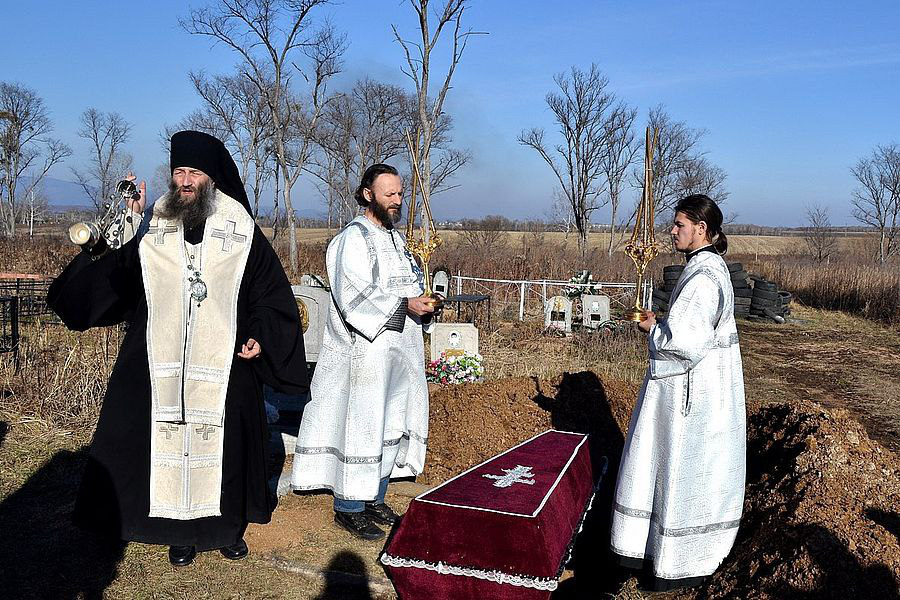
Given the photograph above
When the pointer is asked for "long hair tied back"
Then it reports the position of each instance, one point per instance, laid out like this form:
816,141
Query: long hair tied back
368,179
700,207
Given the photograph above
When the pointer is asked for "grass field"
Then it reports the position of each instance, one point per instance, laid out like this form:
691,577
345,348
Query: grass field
761,245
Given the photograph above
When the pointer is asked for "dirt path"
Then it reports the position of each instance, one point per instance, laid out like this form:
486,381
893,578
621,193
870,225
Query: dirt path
834,359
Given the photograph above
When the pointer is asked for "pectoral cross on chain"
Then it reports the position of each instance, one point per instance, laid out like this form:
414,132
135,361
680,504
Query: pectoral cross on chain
227,235
160,232
518,475
205,431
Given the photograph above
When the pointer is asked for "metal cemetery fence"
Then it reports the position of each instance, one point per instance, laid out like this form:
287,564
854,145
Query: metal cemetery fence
508,293
9,327
22,298
31,293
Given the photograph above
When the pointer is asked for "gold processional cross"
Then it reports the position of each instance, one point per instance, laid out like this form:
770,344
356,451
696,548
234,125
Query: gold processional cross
423,247
642,248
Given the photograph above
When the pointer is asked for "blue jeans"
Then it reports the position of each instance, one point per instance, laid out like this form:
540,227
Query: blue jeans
352,506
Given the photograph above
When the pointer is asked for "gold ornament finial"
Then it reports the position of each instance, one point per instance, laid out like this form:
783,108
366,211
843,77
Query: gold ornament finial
642,248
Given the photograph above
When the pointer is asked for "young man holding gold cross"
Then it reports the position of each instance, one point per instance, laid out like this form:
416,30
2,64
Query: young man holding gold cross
179,455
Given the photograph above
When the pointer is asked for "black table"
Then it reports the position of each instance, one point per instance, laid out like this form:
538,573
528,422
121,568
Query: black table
473,300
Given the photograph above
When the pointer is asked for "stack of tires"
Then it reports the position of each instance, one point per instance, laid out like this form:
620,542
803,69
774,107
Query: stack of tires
661,295
769,303
740,282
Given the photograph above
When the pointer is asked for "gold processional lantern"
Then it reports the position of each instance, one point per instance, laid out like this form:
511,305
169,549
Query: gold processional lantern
423,247
642,247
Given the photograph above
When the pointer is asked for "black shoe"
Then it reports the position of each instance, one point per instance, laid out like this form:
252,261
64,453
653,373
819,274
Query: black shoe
359,524
235,551
381,513
182,556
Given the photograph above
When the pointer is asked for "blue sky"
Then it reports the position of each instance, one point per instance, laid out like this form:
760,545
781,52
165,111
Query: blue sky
791,93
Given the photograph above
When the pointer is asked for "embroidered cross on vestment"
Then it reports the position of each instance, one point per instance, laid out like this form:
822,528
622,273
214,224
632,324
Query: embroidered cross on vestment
205,431
168,430
160,232
227,235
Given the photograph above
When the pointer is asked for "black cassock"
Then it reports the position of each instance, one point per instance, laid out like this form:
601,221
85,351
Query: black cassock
114,498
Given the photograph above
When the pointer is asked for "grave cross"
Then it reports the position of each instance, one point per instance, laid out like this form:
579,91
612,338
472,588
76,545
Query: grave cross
518,475
160,232
227,235
168,430
205,431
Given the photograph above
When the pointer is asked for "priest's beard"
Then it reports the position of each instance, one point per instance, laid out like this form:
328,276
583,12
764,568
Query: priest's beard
383,215
190,211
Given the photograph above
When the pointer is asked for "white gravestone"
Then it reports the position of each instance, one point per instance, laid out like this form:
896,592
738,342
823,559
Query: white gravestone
453,338
594,310
558,314
313,303
440,283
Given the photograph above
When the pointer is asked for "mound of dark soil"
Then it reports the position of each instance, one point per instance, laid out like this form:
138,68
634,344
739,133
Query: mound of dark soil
821,511
470,423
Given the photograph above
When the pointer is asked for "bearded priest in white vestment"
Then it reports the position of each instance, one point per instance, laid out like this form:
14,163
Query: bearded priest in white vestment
680,489
367,420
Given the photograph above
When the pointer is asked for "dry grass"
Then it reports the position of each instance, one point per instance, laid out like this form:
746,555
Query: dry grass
849,285
62,375
758,245
519,349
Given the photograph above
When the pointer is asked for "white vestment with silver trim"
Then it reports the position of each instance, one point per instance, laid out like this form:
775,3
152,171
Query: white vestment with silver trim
680,488
368,414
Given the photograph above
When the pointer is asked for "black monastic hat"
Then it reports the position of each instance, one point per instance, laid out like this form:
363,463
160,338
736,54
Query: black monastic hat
202,151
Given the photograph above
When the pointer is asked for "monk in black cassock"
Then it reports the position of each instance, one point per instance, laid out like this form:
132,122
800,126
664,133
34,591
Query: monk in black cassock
179,455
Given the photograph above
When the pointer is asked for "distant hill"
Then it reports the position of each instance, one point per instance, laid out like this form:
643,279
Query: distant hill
62,194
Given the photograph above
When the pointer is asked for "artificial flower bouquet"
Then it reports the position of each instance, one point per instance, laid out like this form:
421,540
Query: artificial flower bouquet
455,368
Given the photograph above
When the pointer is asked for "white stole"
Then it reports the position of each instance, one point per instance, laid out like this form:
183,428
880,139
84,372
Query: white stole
190,350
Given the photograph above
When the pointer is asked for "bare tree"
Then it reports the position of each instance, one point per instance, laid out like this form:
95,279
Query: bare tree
876,202
819,236
617,158
582,109
698,176
560,213
25,147
271,36
429,112
107,133
235,112
486,235
162,177
364,126
679,165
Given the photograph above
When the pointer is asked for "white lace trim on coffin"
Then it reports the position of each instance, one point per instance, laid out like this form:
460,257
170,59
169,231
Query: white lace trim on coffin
537,583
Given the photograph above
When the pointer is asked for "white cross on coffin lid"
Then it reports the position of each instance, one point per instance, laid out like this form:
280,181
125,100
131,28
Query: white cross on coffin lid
518,475
160,232
227,235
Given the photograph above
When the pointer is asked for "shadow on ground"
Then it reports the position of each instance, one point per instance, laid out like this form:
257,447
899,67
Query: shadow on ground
581,404
345,578
43,555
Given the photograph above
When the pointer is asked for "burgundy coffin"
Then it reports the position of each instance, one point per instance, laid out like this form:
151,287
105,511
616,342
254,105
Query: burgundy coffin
480,535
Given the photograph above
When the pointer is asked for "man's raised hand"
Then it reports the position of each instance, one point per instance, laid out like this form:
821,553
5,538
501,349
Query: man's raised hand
137,205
